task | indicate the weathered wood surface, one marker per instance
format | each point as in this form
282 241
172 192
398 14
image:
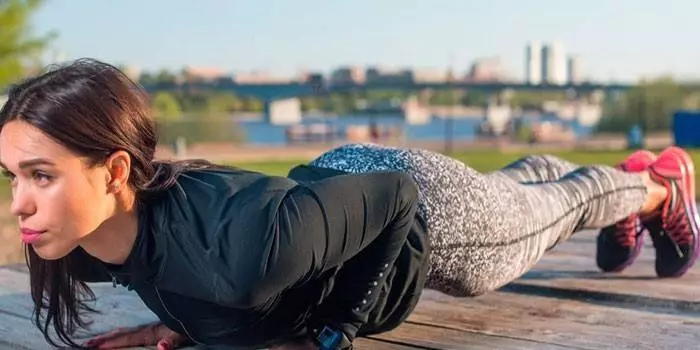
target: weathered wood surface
563 303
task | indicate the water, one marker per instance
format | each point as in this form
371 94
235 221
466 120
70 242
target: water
464 129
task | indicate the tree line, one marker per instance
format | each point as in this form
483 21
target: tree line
651 105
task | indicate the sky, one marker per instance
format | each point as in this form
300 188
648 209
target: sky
617 40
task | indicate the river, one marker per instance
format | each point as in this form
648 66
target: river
262 132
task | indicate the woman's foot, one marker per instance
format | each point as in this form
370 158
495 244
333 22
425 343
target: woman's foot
619 245
674 228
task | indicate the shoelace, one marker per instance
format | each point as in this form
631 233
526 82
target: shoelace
626 231
676 223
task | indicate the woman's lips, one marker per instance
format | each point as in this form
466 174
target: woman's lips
30 236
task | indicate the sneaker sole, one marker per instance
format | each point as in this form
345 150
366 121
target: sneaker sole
687 180
635 252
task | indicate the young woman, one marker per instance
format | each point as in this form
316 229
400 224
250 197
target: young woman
340 248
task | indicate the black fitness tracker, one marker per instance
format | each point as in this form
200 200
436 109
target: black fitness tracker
331 339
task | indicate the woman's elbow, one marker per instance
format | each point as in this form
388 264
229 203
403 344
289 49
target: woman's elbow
409 190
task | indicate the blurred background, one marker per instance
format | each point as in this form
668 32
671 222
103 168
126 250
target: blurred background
268 84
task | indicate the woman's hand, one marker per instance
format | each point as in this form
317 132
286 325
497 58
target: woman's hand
147 335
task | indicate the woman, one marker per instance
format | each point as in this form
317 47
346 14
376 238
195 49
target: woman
340 248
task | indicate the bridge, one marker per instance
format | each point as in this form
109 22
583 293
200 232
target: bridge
278 91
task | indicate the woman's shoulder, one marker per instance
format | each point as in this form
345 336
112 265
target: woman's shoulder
230 180
216 193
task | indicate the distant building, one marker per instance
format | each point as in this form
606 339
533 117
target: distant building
429 76
533 63
388 75
486 69
260 77
316 79
348 75
309 77
554 64
203 74
574 71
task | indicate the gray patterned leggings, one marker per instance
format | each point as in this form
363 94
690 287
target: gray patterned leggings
486 230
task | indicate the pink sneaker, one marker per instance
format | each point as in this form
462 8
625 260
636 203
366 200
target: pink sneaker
619 245
674 230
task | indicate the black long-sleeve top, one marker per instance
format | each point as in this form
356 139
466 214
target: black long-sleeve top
241 258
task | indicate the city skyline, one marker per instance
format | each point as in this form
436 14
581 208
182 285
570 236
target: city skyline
547 64
617 41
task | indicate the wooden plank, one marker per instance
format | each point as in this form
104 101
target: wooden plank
379 344
439 336
565 323
571 266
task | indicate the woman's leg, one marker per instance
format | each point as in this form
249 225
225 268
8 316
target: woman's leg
486 231
535 168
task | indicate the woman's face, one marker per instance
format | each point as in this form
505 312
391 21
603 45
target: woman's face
56 197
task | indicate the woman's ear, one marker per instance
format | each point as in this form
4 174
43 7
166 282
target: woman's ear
119 167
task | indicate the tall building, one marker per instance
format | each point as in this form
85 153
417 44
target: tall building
574 71
554 64
533 63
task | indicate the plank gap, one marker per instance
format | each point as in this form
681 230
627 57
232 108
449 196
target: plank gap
611 299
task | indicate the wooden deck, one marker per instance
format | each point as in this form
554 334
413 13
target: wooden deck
563 303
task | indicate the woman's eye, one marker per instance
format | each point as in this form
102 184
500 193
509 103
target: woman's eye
41 177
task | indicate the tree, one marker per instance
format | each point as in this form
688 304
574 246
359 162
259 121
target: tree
310 103
252 104
535 99
649 104
443 98
339 103
692 100
162 77
475 98
223 103
19 48
165 107
383 95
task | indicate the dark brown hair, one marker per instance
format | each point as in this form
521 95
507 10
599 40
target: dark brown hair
93 109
